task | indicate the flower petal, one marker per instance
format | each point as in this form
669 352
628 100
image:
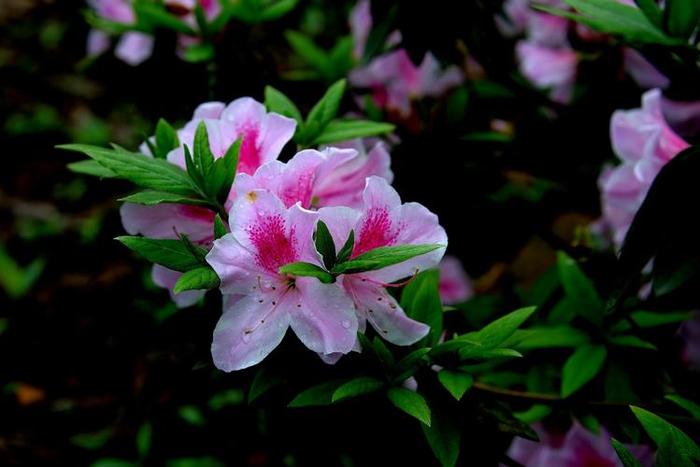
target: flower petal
134 47
167 278
383 312
247 332
323 317
168 221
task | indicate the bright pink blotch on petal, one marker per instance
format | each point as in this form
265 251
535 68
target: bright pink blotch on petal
265 235
455 284
384 221
576 448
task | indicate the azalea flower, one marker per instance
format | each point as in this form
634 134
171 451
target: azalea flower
260 303
644 142
576 448
184 9
548 68
455 285
393 79
384 221
264 135
133 47
315 179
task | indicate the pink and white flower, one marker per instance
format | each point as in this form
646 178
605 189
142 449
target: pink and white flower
315 179
264 135
260 303
644 142
384 221
133 47
548 68
395 81
455 285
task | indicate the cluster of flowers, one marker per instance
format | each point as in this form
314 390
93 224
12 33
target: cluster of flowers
274 209
134 47
546 56
392 77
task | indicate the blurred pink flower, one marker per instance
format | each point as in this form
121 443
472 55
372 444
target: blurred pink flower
576 448
395 81
547 68
384 221
260 303
455 284
644 142
133 47
264 135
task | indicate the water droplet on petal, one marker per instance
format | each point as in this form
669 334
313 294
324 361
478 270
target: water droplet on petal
346 324
246 335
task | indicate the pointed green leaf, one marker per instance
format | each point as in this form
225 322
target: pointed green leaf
674 446
325 246
302 269
456 382
691 407
382 257
356 387
150 198
580 290
321 394
173 254
410 402
202 278
346 250
220 228
277 102
91 167
581 367
345 130
166 139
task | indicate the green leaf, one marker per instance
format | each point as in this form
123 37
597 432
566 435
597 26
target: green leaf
534 414
195 462
495 333
173 254
356 387
143 440
420 300
547 337
166 139
220 228
344 130
480 353
651 10
580 290
581 367
16 280
691 407
312 54
192 415
92 440
203 156
264 380
410 402
682 17
111 462
202 278
321 394
631 341
382 257
626 457
456 382
324 111
613 18
408 365
650 319
346 250
443 436
675 447
152 15
91 167
277 9
150 198
199 53
226 398
383 353
156 174
277 102
325 246
302 269
221 174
